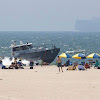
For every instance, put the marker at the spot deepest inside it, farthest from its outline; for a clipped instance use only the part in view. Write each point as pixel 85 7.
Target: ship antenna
pixel 14 42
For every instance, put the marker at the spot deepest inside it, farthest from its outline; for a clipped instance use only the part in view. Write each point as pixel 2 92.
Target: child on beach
pixel 58 62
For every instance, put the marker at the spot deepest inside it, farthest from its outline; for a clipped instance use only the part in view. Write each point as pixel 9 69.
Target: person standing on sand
pixel 58 62
pixel 31 64
pixel 41 63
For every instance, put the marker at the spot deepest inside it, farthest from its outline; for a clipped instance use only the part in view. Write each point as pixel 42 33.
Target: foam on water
pixel 7 61
pixel 25 62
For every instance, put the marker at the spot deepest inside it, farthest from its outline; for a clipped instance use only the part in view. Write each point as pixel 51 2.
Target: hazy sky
pixel 45 15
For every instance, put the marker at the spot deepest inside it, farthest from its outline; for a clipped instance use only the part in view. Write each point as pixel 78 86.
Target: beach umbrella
pixel 93 55
pixel 64 55
pixel 79 56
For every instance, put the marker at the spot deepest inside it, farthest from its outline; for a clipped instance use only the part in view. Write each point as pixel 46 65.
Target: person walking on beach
pixel 58 62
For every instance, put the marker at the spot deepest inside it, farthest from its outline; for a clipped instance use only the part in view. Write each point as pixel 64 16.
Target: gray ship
pixel 27 51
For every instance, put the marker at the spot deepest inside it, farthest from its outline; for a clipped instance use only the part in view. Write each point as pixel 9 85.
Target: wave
pixel 8 61
pixel 75 51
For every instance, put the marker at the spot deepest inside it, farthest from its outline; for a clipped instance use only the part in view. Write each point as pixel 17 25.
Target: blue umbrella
pixel 79 56
pixel 93 55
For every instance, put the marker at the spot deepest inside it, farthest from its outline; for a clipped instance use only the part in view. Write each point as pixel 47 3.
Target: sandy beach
pixel 46 83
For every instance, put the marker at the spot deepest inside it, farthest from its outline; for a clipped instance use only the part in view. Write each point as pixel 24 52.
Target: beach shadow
pixel 36 71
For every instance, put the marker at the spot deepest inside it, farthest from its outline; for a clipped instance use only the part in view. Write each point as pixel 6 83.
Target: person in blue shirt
pixel 81 67
pixel 31 64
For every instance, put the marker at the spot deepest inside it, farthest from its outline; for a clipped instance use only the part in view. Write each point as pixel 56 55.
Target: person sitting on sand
pixel 15 63
pixel 0 63
pixel 83 63
pixel 75 63
pixel 67 63
pixel 96 64
pixel 11 66
pixel 20 64
pixel 71 67
pixel 81 67
pixel 87 65
pixel 74 67
pixel 2 66
pixel 58 62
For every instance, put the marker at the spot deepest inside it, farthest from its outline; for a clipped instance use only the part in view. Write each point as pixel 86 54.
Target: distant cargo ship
pixel 92 25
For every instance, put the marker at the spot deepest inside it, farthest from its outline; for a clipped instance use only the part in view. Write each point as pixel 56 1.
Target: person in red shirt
pixel 87 65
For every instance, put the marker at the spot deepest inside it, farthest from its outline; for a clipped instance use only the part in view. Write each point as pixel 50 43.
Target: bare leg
pixel 18 66
pixel 61 69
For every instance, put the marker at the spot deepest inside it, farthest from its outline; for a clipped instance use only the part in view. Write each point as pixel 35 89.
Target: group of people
pixel 74 66
pixel 16 64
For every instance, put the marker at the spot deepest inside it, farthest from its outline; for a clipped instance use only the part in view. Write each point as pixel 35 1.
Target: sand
pixel 46 83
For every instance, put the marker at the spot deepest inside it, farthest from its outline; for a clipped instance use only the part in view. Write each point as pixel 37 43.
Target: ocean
pixel 66 41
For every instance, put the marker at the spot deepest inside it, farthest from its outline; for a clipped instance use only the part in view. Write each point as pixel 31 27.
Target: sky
pixel 45 15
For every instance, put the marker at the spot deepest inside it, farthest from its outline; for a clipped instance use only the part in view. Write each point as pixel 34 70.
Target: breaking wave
pixel 8 61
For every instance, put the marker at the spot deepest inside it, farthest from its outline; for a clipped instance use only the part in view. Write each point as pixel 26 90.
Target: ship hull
pixel 47 56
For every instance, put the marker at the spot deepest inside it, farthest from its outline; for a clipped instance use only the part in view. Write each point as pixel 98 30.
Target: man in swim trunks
pixel 58 62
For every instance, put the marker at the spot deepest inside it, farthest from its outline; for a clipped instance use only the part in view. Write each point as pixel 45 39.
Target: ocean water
pixel 66 41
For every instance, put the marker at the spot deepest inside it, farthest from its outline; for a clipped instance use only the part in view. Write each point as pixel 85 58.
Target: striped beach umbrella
pixel 79 56
pixel 64 55
pixel 93 55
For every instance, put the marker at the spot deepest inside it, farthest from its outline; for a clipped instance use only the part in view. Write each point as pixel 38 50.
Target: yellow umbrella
pixel 93 55
pixel 64 55
pixel 79 56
